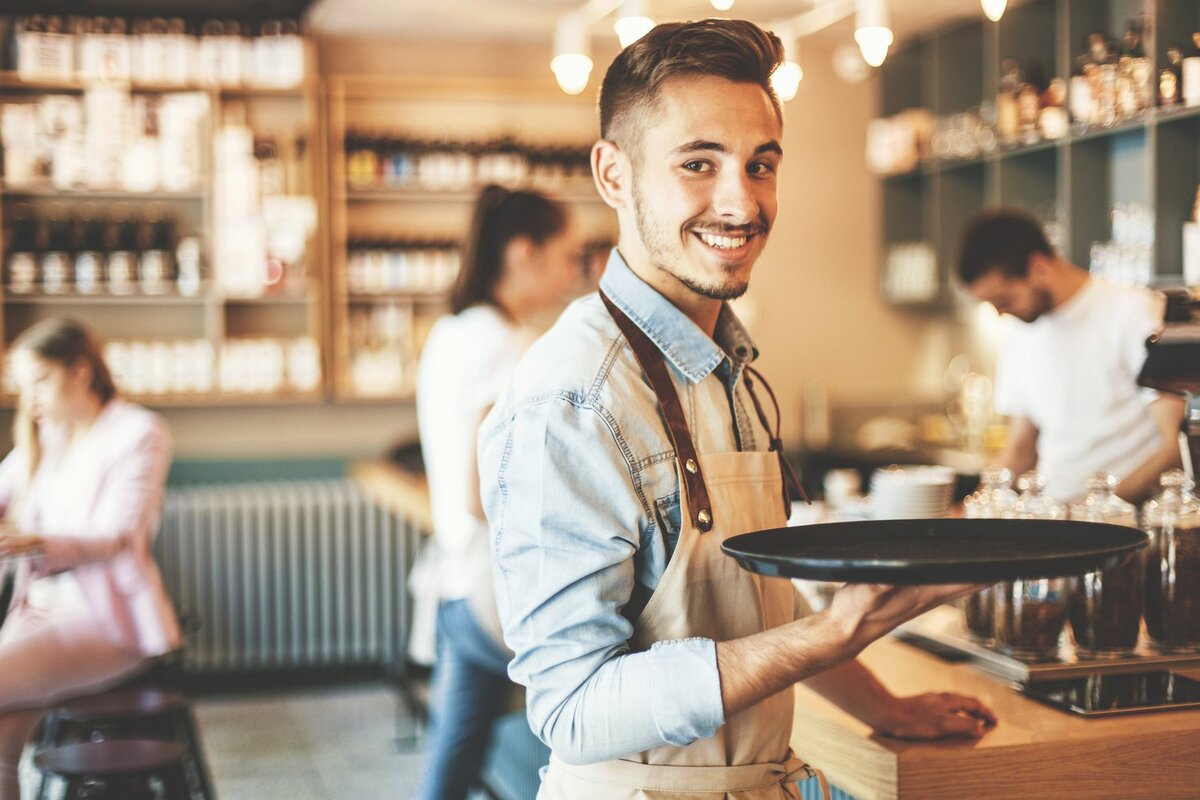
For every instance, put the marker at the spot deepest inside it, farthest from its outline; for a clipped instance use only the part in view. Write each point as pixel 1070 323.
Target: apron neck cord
pixel 789 476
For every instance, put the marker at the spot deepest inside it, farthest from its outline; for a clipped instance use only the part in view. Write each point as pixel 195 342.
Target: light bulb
pixel 785 80
pixel 871 30
pixel 994 9
pixel 722 5
pixel 874 44
pixel 571 64
pixel 572 71
pixel 630 29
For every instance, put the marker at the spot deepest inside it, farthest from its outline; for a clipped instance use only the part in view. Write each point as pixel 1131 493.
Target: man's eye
pixel 760 168
pixel 697 166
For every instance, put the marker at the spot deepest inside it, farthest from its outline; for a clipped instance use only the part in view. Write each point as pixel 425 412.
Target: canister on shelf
pixel 994 498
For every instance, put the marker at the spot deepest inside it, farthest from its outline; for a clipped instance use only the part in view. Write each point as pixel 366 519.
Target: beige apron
pixel 704 593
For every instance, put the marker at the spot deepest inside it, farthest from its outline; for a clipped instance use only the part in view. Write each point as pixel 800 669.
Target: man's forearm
pixel 854 689
pixel 1140 483
pixel 755 667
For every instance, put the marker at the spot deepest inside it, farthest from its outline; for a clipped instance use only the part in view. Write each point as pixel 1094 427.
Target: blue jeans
pixel 470 690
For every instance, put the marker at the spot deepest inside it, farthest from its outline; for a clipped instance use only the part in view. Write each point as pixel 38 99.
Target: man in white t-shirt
pixel 1067 370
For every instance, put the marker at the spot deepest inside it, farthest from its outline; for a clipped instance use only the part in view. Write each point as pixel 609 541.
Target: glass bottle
pixel 22 266
pixel 992 500
pixel 89 252
pixel 56 259
pixel 156 243
pixel 1105 607
pixel 1029 615
pixel 120 240
pixel 1172 565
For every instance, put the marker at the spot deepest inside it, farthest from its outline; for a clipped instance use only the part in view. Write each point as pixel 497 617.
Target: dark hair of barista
pixel 501 216
pixel 1000 240
pixel 65 343
pixel 735 50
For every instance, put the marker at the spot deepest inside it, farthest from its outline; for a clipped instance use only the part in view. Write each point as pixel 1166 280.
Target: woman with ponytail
pixel 521 262
pixel 81 493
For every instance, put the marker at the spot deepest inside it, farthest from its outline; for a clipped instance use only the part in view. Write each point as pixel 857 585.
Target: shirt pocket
pixel 668 516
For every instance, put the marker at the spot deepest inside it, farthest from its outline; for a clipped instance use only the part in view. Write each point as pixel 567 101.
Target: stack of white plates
pixel 917 492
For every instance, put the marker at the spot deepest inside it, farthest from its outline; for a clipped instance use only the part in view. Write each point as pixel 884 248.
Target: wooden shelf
pixel 100 299
pixel 416 297
pixel 47 190
pixel 13 80
pixel 285 300
pixel 431 196
pixel 210 399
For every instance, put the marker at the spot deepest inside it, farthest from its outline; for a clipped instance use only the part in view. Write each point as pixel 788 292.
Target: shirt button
pixel 690 466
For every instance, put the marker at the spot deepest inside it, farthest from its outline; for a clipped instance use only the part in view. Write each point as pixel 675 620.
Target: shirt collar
pixel 681 341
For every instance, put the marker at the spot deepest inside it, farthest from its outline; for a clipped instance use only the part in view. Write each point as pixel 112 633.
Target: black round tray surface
pixel 932 551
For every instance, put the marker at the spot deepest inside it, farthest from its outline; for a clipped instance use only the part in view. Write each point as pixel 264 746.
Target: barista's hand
pixel 866 611
pixel 20 544
pixel 936 715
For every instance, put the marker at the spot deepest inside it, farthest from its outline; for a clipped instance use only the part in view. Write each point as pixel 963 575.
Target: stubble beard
pixel 657 245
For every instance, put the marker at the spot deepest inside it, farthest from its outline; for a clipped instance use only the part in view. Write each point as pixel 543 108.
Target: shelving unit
pixel 1152 160
pixel 534 112
pixel 288 114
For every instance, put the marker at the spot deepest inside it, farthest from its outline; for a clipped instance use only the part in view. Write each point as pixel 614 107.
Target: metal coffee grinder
pixel 1173 364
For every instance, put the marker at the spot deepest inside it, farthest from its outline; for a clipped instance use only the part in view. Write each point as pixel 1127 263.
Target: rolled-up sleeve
pixel 567 516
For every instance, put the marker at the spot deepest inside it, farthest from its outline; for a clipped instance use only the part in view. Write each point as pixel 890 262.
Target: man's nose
pixel 734 199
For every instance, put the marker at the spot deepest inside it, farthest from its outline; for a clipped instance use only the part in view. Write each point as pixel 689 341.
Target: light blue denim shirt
pixel 582 500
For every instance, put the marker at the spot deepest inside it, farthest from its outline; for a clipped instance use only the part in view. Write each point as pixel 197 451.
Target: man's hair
pixel 736 50
pixel 1002 239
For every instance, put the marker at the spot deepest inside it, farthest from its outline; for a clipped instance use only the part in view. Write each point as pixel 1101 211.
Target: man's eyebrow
pixel 703 145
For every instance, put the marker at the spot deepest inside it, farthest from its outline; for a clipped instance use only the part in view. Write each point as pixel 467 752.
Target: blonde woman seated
pixel 82 492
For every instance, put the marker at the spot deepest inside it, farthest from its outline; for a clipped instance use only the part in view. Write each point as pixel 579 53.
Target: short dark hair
pixel 500 216
pixel 1000 239
pixel 733 49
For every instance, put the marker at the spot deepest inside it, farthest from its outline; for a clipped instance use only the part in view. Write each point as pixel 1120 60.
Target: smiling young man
pixel 632 443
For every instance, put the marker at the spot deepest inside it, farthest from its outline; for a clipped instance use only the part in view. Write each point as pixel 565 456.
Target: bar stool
pixel 118 769
pixel 127 713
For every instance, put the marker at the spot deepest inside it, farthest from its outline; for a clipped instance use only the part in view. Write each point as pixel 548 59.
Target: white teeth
pixel 723 242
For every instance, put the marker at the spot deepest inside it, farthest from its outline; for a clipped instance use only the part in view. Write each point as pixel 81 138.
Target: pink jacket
pixel 102 531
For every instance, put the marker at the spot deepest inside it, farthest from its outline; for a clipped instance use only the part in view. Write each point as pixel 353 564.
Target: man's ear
pixel 1040 269
pixel 611 171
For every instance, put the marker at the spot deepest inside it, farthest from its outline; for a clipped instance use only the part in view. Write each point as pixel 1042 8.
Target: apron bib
pixel 704 593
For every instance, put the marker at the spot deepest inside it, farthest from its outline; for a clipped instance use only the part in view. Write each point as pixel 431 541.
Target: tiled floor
pixel 325 743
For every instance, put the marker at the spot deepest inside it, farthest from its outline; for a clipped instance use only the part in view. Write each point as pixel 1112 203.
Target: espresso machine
pixel 1173 363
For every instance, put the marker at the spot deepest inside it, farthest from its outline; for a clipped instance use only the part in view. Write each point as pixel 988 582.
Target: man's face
pixel 1020 297
pixel 704 182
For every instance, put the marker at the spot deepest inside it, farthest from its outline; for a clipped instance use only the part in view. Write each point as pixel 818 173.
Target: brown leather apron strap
pixel 789 476
pixel 651 361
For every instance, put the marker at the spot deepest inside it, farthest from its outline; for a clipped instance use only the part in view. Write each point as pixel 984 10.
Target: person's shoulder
pixel 571 358
pixel 135 424
pixel 1133 303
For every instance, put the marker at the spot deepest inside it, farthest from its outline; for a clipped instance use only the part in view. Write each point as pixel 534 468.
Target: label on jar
pixel 89 269
pixel 22 273
pixel 122 272
pixel 56 272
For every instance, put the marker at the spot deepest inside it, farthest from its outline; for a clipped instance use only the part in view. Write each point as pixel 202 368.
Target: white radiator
pixel 286 575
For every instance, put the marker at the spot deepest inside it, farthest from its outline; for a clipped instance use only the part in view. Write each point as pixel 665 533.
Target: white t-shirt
pixel 465 365
pixel 1073 374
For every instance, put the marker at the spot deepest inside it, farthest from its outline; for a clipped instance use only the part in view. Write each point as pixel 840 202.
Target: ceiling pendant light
pixel 571 64
pixel 994 9
pixel 632 22
pixel 785 80
pixel 722 5
pixel 871 30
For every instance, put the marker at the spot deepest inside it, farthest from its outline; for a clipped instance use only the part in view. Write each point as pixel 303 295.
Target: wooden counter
pixel 399 490
pixel 1034 752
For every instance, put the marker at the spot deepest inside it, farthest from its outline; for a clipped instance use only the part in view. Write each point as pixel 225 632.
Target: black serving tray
pixel 930 551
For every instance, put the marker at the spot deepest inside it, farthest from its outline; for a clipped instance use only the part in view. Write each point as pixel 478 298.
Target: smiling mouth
pixel 719 241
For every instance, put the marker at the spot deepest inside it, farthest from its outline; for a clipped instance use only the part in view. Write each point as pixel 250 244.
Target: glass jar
pixel 1029 615
pixel 1105 607
pixel 1172 565
pixel 992 500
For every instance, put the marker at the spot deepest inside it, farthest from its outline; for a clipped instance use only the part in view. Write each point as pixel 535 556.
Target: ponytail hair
pixel 67 342
pixel 500 216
